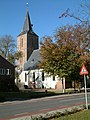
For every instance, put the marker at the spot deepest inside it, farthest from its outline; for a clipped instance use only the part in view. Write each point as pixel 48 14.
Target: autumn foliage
pixel 64 54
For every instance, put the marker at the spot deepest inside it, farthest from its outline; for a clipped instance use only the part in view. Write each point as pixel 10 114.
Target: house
pixel 7 75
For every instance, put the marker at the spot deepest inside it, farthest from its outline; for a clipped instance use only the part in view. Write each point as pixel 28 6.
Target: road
pixel 41 105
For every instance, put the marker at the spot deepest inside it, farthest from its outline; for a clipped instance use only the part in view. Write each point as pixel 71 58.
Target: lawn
pixel 83 115
pixel 26 94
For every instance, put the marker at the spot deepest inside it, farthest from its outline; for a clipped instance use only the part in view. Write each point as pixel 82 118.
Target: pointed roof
pixel 27 24
pixel 5 61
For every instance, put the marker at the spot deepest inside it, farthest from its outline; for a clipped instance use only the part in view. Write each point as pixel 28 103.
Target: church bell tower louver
pixel 27 41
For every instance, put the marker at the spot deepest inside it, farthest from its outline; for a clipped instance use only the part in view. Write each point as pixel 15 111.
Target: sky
pixel 44 15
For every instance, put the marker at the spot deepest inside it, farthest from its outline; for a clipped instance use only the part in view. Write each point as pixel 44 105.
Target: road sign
pixel 83 71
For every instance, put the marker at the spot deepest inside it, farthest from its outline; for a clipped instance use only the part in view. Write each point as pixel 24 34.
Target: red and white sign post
pixel 84 72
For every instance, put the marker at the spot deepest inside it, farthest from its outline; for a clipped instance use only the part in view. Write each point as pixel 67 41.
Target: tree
pixel 82 16
pixel 8 48
pixel 64 54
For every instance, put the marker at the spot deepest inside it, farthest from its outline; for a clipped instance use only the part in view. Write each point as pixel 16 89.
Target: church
pixel 32 76
pixel 27 41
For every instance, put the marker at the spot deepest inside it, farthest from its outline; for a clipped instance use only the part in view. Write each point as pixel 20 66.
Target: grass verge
pixel 23 95
pixel 82 115
pixel 73 113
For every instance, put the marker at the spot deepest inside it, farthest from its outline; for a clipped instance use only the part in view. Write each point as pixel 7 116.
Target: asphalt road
pixel 42 105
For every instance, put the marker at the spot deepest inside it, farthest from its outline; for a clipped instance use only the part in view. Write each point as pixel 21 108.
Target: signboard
pixel 83 71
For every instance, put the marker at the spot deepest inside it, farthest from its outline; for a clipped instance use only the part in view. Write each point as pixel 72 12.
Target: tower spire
pixel 27 23
pixel 27 6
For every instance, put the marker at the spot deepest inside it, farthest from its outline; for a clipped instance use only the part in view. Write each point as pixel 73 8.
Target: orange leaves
pixel 67 51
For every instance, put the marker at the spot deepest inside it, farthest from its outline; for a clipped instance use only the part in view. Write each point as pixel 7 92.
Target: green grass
pixel 82 115
pixel 4 96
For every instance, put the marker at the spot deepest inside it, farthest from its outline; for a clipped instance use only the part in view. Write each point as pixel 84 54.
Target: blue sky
pixel 43 13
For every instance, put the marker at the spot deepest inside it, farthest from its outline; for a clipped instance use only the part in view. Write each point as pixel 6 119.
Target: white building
pixel 32 76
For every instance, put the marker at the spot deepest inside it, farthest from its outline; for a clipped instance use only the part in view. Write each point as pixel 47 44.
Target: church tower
pixel 27 41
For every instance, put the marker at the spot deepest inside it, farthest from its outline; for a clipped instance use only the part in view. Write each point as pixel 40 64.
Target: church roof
pixel 27 28
pixel 33 60
pixel 27 23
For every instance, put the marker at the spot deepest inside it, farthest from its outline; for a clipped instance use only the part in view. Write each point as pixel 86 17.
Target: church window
pixel 53 78
pixel 21 42
pixel 33 76
pixel 32 44
pixel 25 77
pixel 42 76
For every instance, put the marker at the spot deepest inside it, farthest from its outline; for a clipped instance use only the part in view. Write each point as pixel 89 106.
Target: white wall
pixel 47 83
pixel 22 77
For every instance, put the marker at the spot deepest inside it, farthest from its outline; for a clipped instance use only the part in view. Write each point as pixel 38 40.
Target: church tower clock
pixel 27 41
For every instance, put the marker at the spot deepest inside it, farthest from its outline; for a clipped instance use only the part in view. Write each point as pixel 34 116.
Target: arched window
pixel 21 42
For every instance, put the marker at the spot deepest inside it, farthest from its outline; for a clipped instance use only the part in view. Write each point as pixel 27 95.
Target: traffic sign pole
pixel 84 72
pixel 85 92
